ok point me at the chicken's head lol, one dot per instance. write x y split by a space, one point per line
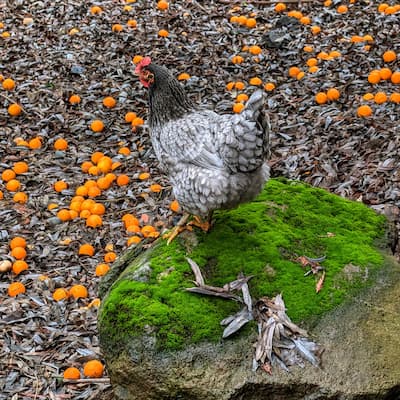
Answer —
146 77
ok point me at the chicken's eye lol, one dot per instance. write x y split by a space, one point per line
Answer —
150 77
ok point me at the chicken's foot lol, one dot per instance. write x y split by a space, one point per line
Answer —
177 229
204 225
184 225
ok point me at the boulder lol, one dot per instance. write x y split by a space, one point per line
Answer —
162 342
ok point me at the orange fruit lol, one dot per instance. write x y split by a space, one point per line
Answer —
294 71
14 109
395 97
93 369
85 214
147 229
374 77
102 269
183 76
104 164
163 33
94 221
156 188
382 7
94 191
87 204
269 86
109 102
19 253
117 28
64 215
229 86
60 294
97 125
35 143
238 107
133 229
395 78
132 23
1 195
239 85
251 22
315 29
137 58
237 59
174 206
342 9
74 99
60 144
97 209
133 240
163 5
13 185
311 62
19 266
86 249
242 20
96 156
129 219
86 165
75 206
7 175
321 98
122 180
78 291
8 84
72 372
280 7
137 121
16 288
385 73
124 151
59 186
130 116
110 257
81 191
364 111
96 10
389 56
103 183
242 97
333 94
255 81
17 241
308 49
380 98
20 197
20 167
368 96
307 21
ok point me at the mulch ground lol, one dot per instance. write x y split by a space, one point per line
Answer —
53 50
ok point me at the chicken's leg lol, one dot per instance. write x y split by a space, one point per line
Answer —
182 225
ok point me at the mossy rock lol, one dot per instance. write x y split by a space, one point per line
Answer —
148 319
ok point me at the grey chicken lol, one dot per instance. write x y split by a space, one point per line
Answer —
213 161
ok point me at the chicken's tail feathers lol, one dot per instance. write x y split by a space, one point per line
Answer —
255 110
254 105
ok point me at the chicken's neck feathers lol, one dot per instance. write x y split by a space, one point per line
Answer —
168 101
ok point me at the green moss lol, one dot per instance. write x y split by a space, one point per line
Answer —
261 238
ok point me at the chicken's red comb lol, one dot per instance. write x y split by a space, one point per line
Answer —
144 62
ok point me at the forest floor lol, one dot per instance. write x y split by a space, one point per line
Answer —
50 51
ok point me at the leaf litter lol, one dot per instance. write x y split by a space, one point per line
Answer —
55 49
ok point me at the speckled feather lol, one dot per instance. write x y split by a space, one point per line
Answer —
213 161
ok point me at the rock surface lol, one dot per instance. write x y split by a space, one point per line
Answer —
360 338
